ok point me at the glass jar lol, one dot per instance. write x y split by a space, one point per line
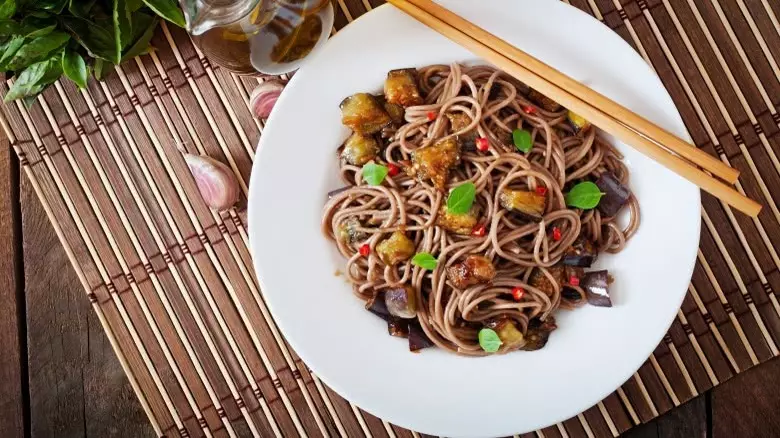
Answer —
258 36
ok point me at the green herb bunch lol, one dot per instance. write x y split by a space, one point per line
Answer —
43 39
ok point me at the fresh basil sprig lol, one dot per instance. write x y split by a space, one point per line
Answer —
522 140
44 39
374 173
489 340
461 198
425 261
585 195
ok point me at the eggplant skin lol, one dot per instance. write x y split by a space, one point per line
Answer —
398 327
359 149
543 101
376 305
538 333
434 162
596 285
417 337
615 194
395 248
401 87
529 205
582 253
473 270
363 114
461 224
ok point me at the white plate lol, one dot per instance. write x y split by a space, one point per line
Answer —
595 349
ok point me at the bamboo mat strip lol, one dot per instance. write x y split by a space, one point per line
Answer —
172 282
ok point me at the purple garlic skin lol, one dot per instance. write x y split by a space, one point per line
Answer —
264 98
215 181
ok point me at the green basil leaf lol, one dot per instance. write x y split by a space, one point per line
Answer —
425 261
38 49
134 5
75 68
40 32
97 39
38 24
102 68
123 29
374 173
81 8
461 198
143 30
54 6
585 195
34 79
9 28
522 140
489 340
7 9
8 50
167 9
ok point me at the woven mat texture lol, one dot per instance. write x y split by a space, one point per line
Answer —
172 282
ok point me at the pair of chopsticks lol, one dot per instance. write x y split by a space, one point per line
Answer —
662 146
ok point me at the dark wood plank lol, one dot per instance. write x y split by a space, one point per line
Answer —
77 386
689 420
747 405
11 370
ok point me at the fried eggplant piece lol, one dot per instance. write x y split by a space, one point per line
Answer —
473 270
543 101
363 114
359 149
529 205
395 248
459 121
401 87
577 121
348 231
581 253
434 162
538 333
541 282
506 330
457 223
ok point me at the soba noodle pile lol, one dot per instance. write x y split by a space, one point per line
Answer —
497 105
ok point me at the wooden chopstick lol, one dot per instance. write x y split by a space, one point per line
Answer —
456 31
594 98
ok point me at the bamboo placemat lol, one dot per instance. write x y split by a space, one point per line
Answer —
172 282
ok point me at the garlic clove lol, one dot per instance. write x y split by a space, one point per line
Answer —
264 98
215 181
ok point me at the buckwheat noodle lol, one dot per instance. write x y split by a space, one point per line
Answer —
495 104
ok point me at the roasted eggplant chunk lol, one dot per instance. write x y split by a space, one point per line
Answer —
395 248
434 162
582 253
473 270
348 231
359 149
468 139
506 330
363 114
395 111
529 205
543 101
538 332
541 282
577 121
401 87
615 194
596 285
457 223
398 327
401 302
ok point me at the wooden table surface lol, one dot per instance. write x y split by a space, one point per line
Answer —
60 378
